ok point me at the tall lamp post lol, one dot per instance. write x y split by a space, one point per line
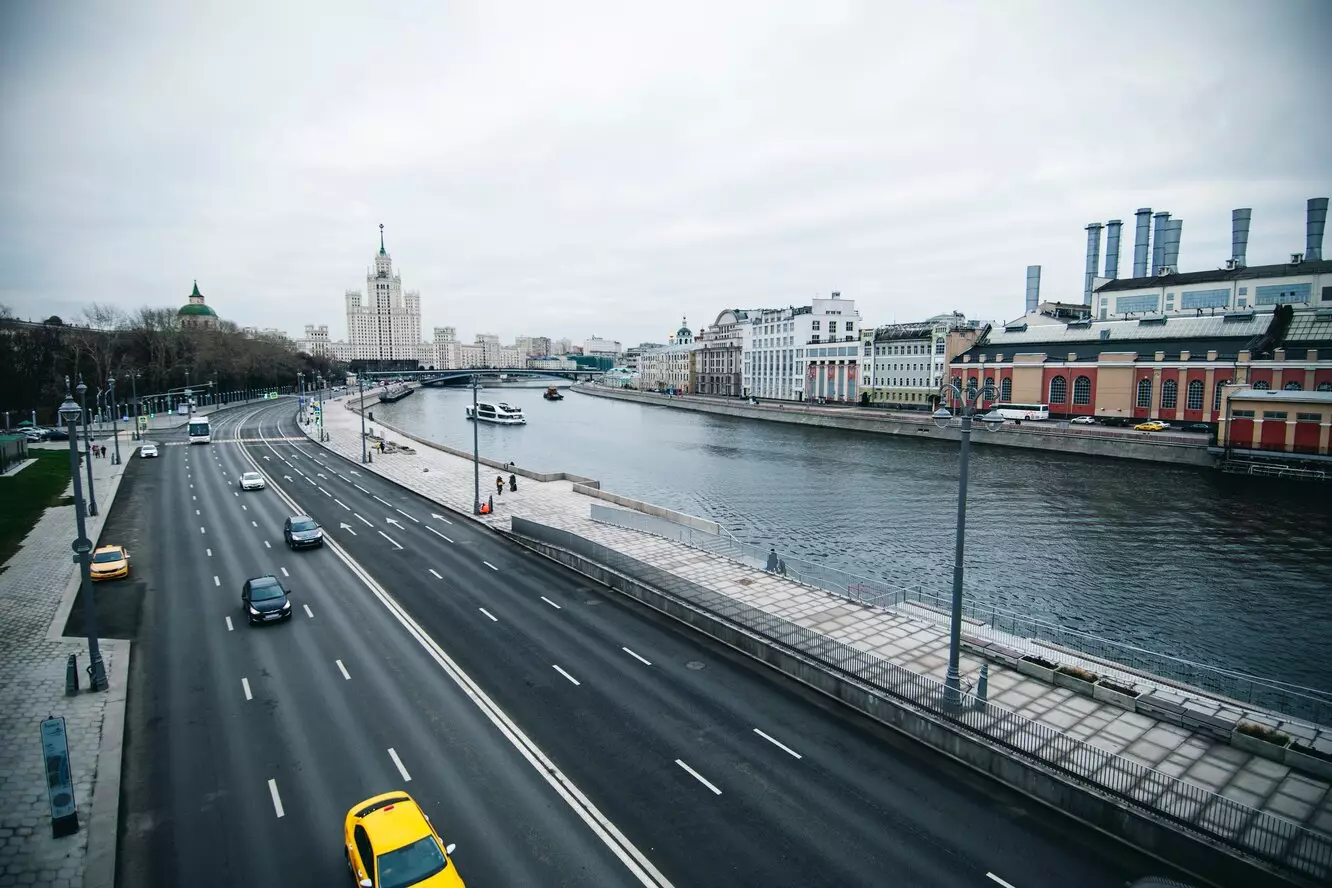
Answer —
87 447
965 400
365 452
323 407
69 414
476 452
115 432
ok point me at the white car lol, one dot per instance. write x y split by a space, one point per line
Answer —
252 481
147 450
1082 420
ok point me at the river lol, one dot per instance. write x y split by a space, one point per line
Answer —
1226 570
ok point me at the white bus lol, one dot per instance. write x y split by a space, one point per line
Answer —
1022 411
200 431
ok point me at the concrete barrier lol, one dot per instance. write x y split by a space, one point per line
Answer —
702 524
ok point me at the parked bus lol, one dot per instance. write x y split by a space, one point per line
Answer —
201 432
1022 411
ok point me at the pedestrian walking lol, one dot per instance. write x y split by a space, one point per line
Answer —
499 485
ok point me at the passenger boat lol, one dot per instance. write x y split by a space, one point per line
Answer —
553 394
395 393
500 413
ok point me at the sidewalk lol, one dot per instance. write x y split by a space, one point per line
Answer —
909 639
36 590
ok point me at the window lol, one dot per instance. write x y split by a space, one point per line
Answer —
1006 390
814 325
1274 414
1309 417
1241 414
939 346
1279 294
1260 385
1169 394
1058 390
1216 399
1205 299
1327 294
1195 395
1126 304
1293 386
1081 390
848 326
1325 386
1144 393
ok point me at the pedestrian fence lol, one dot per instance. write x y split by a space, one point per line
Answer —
1281 842
1301 703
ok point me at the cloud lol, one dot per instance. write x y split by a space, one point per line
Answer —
604 167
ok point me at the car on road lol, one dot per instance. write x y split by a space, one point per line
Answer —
263 600
391 843
302 532
109 563
1152 426
1082 420
252 481
147 450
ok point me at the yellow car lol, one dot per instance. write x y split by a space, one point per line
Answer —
110 563
390 843
1152 426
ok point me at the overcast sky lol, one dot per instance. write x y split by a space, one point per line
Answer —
579 168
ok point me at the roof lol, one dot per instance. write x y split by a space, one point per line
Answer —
1226 349
1320 266
196 294
396 825
196 309
1324 398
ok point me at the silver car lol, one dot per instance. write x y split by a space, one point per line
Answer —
147 450
252 481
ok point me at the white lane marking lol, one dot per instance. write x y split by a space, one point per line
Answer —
245 684
216 581
341 503
779 744
210 552
493 618
201 530
193 497
437 574
309 613
405 515
343 670
255 523
551 603
406 778
230 627
325 492
267 545
197 512
565 674
312 481
993 878
384 501
489 565
363 521
699 777
299 472
438 534
360 488
389 538
277 799
284 572
235 493
244 508
192 487
636 656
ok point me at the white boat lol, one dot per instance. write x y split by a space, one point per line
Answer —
499 413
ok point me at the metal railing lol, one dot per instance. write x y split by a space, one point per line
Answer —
1279 841
1305 704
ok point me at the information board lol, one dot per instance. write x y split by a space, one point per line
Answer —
59 780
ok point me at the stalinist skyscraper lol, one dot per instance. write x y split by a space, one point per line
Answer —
386 324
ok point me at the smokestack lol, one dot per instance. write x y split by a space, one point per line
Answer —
1112 229
1158 240
1239 235
1093 259
1141 242
1174 230
1033 287
1315 220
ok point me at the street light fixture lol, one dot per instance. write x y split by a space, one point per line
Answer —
87 447
115 432
966 400
82 546
365 452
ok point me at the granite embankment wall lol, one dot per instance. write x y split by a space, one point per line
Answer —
1085 441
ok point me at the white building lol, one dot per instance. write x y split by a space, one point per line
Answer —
1303 282
555 363
904 364
806 352
315 342
595 345
386 324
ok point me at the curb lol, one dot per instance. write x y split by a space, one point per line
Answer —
104 816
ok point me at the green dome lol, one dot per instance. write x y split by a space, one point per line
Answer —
193 309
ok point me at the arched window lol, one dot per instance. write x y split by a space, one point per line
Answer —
1325 386
1195 395
1006 389
1216 399
1144 393
1058 390
1082 390
1169 394
1260 385
1293 386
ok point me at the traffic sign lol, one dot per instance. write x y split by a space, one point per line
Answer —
82 545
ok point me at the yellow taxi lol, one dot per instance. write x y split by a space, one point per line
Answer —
390 843
1151 426
110 563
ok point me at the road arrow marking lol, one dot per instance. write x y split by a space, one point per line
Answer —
394 521
440 517
265 457
354 472
348 528
288 477
322 475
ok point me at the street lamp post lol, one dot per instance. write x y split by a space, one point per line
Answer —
87 447
115 432
476 452
967 400
323 407
134 394
70 413
365 452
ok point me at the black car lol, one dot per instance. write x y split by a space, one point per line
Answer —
265 601
302 532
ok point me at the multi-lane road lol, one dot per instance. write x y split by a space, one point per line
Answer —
557 734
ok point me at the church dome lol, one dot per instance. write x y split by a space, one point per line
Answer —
195 311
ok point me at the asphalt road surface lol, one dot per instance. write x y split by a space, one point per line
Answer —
558 734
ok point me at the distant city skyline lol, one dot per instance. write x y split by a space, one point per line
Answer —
575 172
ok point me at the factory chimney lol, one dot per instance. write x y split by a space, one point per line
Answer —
1112 229
1239 235
1033 287
1158 240
1093 259
1141 242
1315 220
1174 230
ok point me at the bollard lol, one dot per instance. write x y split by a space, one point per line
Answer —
491 503
983 685
513 482
72 675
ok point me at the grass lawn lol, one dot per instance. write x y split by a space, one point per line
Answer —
26 495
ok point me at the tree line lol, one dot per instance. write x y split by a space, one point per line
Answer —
149 344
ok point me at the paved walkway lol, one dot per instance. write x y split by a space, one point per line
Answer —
915 640
36 589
